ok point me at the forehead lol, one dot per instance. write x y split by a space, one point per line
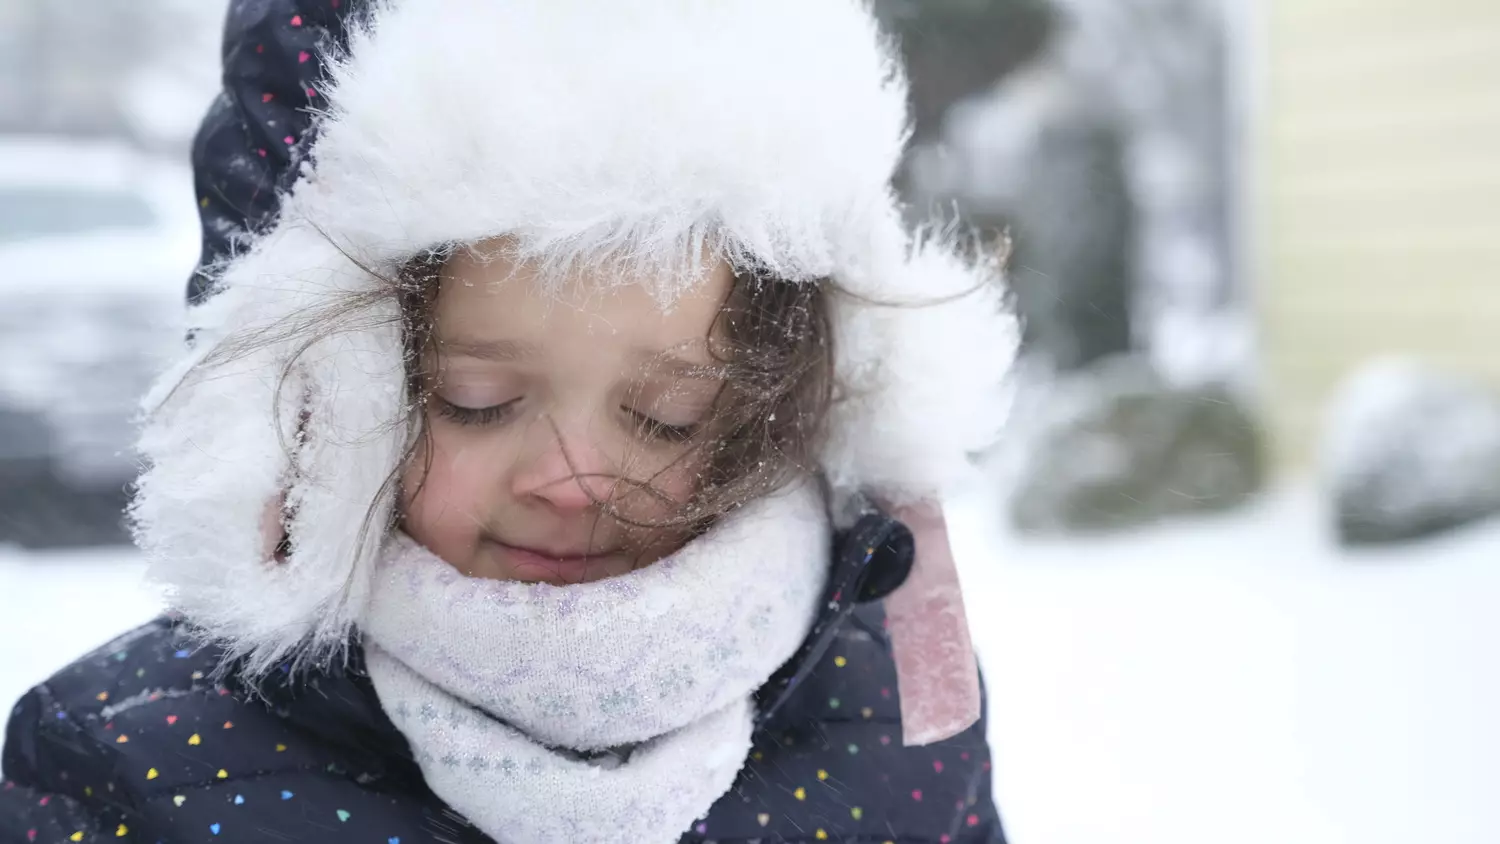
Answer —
490 304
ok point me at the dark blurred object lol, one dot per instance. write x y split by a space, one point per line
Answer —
955 49
38 506
1114 135
1071 212
1112 446
94 238
1410 451
1105 154
1073 228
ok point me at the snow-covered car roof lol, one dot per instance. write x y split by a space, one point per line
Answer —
97 242
147 257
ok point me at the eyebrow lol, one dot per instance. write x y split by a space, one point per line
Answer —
513 351
500 351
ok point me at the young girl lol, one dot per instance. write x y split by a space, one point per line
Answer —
522 480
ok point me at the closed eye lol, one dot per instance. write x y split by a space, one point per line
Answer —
650 428
475 415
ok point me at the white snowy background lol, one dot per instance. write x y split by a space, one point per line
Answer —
1235 679
1213 681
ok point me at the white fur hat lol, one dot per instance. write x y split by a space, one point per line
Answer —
632 130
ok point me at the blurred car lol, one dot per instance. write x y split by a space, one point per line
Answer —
96 244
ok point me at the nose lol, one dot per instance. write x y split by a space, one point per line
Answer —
564 471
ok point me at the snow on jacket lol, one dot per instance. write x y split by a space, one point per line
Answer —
262 120
136 743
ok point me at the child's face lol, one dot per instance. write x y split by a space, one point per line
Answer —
543 407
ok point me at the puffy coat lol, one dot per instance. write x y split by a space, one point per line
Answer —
261 123
137 743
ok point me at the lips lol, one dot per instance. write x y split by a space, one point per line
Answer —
551 555
533 565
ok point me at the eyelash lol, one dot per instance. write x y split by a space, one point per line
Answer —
475 415
646 427
653 429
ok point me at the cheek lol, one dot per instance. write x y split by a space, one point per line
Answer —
679 482
673 484
443 491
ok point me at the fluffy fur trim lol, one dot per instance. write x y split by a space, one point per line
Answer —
263 409
637 131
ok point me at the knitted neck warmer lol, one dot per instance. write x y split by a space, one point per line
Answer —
616 711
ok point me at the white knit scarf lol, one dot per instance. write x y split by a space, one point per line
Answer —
616 711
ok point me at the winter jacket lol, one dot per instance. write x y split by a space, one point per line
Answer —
136 742
259 126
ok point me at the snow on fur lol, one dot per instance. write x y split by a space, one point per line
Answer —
593 130
223 442
634 133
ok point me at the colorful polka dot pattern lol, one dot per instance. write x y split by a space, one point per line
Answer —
204 762
301 755
248 143
191 759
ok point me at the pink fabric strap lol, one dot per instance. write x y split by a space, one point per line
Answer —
936 669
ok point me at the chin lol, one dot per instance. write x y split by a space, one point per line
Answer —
496 561
526 575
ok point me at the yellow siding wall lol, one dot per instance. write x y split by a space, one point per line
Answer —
1377 195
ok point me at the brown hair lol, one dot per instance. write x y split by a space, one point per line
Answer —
772 338
772 341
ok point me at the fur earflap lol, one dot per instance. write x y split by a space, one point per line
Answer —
636 131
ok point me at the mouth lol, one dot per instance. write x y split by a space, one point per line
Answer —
551 566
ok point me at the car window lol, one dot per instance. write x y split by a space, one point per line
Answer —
27 212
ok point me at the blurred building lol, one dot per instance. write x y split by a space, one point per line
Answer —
1376 182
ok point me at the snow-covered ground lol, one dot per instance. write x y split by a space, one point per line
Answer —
54 607
1239 680
1228 680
